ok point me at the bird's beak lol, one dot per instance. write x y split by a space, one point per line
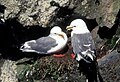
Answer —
69 28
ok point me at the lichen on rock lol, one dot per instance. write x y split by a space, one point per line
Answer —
8 72
29 12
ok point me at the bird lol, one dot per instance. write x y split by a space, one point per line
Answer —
54 43
84 49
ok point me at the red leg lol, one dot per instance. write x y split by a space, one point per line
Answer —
73 56
59 55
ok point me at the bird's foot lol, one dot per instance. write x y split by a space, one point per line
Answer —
73 56
59 55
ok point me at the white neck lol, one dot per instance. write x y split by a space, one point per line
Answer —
64 35
79 31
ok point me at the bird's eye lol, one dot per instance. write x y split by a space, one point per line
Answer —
74 26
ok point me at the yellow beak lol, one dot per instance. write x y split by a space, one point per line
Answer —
69 28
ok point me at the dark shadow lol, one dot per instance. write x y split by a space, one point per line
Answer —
118 18
62 11
13 34
35 32
108 33
2 8
97 2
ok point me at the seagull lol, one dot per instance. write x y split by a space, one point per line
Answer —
54 43
84 49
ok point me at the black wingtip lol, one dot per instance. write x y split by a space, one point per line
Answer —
89 70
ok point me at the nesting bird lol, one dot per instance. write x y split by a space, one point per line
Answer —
84 49
53 43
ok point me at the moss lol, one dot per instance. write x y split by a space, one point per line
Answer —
113 41
22 71
116 5
48 68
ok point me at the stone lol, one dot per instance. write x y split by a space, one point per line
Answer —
8 72
29 12
109 67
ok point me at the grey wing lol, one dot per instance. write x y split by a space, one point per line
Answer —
42 45
84 46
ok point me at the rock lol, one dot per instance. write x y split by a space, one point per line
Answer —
11 7
37 12
110 67
8 72
104 11
41 12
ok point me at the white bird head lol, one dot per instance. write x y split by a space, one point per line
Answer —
78 26
56 29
